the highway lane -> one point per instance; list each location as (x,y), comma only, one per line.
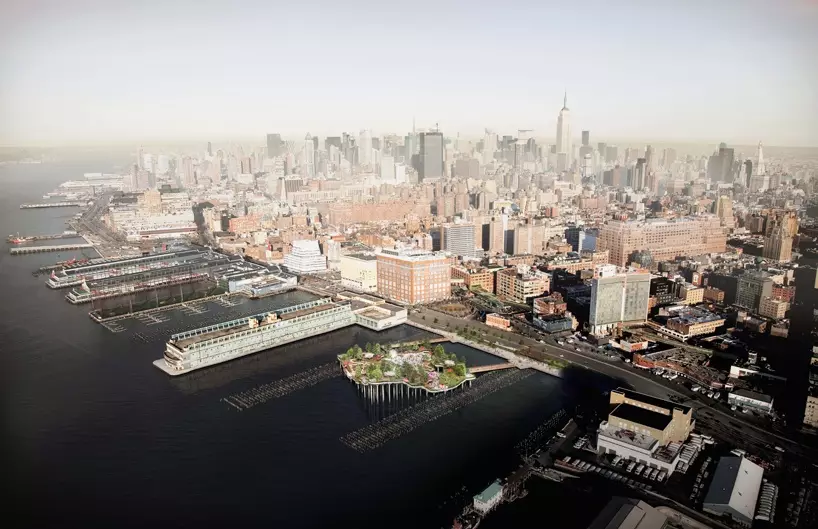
(633,376)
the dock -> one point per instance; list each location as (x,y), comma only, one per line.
(21,239)
(54,248)
(52,205)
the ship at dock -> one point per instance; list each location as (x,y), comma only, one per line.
(222,342)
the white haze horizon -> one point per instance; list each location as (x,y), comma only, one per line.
(93,72)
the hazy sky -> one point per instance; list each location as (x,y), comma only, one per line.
(74,71)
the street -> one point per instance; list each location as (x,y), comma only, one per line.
(747,435)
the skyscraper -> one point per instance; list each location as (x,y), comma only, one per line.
(727,156)
(564,132)
(273,145)
(309,157)
(650,159)
(458,239)
(618,298)
(639,181)
(724,211)
(365,147)
(759,181)
(586,138)
(489,146)
(431,156)
(209,149)
(778,246)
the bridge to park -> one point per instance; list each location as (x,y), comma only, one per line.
(492,367)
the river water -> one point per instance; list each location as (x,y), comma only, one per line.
(96,435)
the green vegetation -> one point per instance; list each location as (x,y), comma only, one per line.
(416,365)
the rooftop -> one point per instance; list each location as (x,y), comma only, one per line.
(363,256)
(653,401)
(747,394)
(637,415)
(628,513)
(736,483)
(641,441)
(490,492)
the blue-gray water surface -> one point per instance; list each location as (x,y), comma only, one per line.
(96,435)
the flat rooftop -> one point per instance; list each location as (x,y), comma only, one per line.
(363,256)
(374,314)
(220,333)
(652,401)
(637,415)
(638,440)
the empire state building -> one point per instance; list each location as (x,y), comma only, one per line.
(564,149)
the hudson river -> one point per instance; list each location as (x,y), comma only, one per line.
(96,436)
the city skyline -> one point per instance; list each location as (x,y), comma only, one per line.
(123,74)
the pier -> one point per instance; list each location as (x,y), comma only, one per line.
(493,367)
(52,205)
(401,423)
(279,388)
(54,248)
(20,239)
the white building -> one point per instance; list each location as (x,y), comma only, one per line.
(360,272)
(734,489)
(388,169)
(639,447)
(305,258)
(750,399)
(489,498)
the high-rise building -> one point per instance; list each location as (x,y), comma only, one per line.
(575,236)
(209,149)
(650,159)
(586,138)
(413,276)
(305,257)
(431,156)
(664,239)
(668,157)
(309,157)
(458,239)
(564,132)
(388,168)
(727,158)
(752,288)
(759,181)
(489,146)
(639,181)
(611,153)
(618,298)
(365,147)
(778,245)
(724,211)
(274,145)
